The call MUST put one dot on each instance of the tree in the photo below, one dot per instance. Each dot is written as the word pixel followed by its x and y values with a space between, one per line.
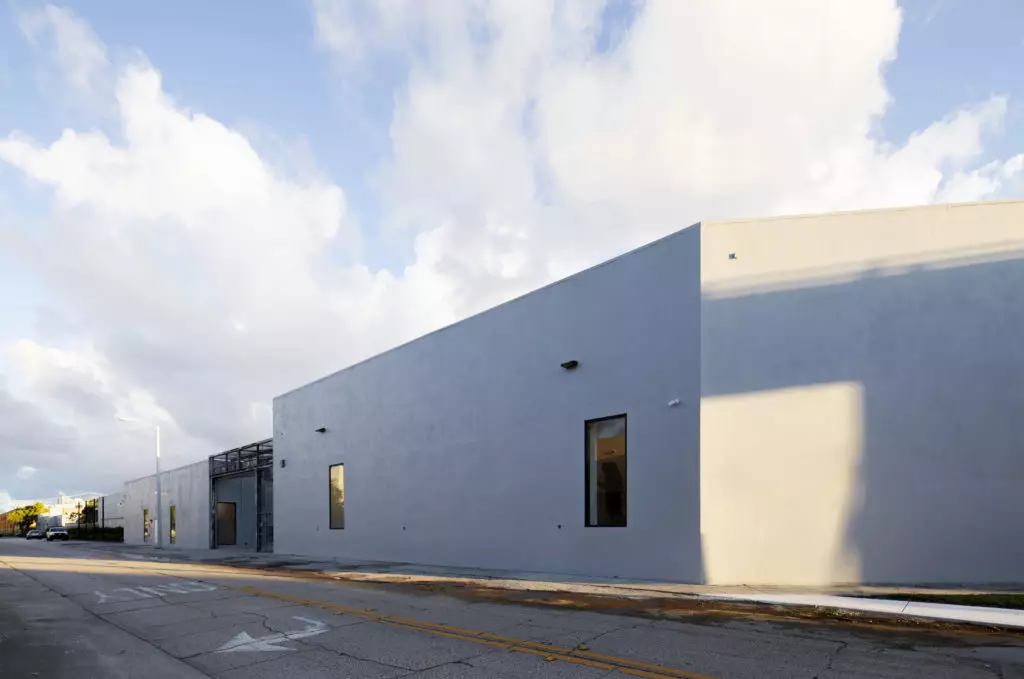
pixel 90 513
pixel 25 516
pixel 87 513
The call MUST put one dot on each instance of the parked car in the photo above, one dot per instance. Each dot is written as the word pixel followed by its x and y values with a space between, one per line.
pixel 56 533
pixel 34 534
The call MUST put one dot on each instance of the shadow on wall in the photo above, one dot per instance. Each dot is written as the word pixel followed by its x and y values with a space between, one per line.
pixel 930 358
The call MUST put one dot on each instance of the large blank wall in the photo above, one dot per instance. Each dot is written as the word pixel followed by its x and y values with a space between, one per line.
pixel 466 447
pixel 863 383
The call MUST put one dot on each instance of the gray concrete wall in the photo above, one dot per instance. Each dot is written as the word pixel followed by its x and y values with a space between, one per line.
pixel 112 510
pixel 188 488
pixel 240 489
pixel 466 447
pixel 863 392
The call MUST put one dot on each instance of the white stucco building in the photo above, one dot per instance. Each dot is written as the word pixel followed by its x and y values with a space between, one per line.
pixel 799 400
pixel 64 511
pixel 225 501
pixel 185 508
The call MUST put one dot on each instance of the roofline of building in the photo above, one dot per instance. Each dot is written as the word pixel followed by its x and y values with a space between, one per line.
pixel 205 459
pixel 269 439
pixel 488 310
pixel 700 224
pixel 162 472
pixel 840 213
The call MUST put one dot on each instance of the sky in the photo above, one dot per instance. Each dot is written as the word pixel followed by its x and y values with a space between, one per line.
pixel 204 205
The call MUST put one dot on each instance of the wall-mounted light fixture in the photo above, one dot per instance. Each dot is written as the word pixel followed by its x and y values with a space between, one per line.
pixel 282 462
pixel 732 255
pixel 570 365
pixel 321 430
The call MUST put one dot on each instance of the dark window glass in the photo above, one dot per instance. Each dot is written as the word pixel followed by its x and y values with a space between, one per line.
pixel 226 526
pixel 174 522
pixel 606 471
pixel 337 496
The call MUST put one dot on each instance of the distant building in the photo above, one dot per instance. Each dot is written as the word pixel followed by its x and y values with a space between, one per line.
pixel 238 483
pixel 64 510
pixel 59 514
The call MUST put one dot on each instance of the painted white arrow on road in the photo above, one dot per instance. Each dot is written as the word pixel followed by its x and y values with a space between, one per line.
pixel 244 642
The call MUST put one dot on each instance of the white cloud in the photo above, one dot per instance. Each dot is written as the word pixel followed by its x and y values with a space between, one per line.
pixel 26 472
pixel 340 26
pixel 194 280
pixel 199 283
pixel 516 137
pixel 77 52
pixel 992 180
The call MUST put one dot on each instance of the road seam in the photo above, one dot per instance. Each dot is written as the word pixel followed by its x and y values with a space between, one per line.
pixel 547 651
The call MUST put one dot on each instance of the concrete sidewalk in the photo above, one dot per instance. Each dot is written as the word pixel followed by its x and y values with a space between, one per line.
pixel 980 615
pixel 888 601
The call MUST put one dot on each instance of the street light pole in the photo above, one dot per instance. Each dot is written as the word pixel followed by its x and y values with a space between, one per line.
pixel 159 493
pixel 159 490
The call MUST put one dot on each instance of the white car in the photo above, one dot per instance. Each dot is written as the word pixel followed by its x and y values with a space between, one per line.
pixel 56 533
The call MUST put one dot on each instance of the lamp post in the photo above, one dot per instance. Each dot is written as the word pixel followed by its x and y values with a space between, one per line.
pixel 159 493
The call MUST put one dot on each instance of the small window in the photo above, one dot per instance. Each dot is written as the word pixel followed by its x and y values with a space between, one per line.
pixel 337 496
pixel 606 471
pixel 174 522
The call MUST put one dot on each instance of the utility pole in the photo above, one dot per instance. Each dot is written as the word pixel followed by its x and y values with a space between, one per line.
pixel 159 493
pixel 159 489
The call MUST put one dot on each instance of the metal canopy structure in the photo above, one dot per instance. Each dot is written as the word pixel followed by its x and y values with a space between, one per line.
pixel 256 459
pixel 259 455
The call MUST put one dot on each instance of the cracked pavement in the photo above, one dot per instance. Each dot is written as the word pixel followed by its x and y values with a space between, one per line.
pixel 77 611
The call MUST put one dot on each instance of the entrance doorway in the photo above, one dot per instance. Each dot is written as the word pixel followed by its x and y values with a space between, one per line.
pixel 225 523
pixel 244 478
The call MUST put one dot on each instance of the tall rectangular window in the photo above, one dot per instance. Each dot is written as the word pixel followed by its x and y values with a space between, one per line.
pixel 174 523
pixel 337 496
pixel 606 471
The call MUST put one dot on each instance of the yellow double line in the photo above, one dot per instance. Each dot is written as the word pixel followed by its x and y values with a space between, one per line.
pixel 547 651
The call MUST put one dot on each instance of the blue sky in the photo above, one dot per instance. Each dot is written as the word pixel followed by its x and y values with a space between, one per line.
pixel 240 61
pixel 335 177
pixel 953 51
pixel 260 65
pixel 236 61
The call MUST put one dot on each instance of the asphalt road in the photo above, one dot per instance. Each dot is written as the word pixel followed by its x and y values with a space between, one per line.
pixel 76 612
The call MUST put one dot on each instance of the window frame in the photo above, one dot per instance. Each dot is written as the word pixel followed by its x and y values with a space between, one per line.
pixel 586 472
pixel 330 499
